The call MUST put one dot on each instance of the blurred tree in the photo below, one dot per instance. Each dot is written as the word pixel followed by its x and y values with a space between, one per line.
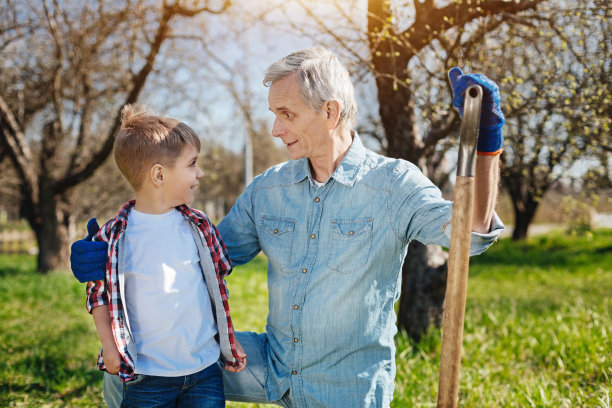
pixel 223 179
pixel 66 70
pixel 555 73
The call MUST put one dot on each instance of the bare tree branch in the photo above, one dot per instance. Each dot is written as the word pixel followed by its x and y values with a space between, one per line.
pixel 177 9
pixel 17 148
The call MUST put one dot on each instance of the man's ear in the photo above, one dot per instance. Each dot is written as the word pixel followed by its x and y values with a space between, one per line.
pixel 156 173
pixel 332 110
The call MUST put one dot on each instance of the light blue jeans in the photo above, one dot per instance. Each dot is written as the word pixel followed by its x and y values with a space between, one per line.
pixel 246 386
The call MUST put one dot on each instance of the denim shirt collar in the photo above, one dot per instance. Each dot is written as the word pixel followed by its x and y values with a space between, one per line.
pixel 347 171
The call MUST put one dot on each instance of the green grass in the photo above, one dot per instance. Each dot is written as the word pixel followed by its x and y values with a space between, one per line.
pixel 537 332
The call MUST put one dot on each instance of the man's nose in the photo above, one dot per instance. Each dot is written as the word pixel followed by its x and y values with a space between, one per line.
pixel 277 129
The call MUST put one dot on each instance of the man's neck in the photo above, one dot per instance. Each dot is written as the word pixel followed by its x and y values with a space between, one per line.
pixel 324 166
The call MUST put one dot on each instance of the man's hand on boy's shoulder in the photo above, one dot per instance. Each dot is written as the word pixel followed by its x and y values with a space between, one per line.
pixel 88 258
pixel 242 360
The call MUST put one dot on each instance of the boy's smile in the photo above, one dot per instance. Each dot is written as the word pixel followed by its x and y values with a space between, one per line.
pixel 181 179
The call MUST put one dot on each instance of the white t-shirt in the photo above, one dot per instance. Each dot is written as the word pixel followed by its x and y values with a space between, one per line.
pixel 167 302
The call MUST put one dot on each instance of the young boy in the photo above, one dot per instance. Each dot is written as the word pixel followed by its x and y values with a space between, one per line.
pixel 162 313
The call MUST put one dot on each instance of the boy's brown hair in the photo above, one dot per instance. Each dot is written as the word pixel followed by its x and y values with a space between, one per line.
pixel 146 139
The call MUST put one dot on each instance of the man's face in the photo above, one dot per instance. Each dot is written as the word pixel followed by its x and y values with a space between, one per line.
pixel 304 131
pixel 182 178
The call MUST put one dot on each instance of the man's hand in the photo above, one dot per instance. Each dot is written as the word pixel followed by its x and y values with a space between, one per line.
pixel 242 360
pixel 490 137
pixel 88 258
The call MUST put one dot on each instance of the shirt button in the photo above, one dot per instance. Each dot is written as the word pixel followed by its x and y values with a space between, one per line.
pixel 295 340
pixel 304 270
pixel 312 236
pixel 276 231
pixel 317 199
pixel 351 232
pixel 296 307
pixel 294 372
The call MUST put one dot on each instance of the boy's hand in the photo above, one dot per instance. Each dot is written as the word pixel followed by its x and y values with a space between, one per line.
pixel 88 258
pixel 112 360
pixel 242 360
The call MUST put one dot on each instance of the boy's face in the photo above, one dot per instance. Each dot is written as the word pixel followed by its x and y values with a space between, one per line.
pixel 182 178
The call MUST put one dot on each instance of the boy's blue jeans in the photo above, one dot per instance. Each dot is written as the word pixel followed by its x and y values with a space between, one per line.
pixel 203 389
pixel 246 386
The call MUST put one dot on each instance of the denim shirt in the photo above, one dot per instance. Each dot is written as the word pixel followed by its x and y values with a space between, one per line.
pixel 335 254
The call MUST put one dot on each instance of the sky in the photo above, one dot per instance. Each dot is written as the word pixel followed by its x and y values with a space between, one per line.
pixel 249 48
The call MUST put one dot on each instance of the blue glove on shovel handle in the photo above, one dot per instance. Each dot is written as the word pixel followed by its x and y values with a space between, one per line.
pixel 88 258
pixel 490 137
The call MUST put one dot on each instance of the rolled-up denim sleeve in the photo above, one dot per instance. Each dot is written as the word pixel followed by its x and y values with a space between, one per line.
pixel 238 229
pixel 480 242
pixel 418 211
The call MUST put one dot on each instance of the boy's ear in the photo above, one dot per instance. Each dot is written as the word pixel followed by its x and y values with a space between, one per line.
pixel 156 173
pixel 332 110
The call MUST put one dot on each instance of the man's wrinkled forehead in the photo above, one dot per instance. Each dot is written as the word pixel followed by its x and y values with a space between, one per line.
pixel 285 94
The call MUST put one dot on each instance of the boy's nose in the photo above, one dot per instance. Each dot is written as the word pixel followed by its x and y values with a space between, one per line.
pixel 199 173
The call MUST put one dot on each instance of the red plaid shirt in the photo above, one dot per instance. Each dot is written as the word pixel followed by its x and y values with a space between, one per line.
pixel 107 292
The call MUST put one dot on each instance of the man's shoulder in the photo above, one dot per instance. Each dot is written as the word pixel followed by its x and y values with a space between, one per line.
pixel 286 172
pixel 376 164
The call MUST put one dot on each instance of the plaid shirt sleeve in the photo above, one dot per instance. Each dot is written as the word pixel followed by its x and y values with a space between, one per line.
pixel 97 294
pixel 97 291
pixel 218 250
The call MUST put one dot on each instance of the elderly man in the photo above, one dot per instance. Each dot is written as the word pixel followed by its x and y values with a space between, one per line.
pixel 335 223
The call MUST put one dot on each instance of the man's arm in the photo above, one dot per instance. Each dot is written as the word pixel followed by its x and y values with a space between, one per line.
pixel 110 354
pixel 490 143
pixel 486 182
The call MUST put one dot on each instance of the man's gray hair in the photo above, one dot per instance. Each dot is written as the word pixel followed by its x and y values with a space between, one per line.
pixel 321 77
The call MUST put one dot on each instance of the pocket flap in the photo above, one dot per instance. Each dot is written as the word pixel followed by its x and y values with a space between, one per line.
pixel 352 227
pixel 277 226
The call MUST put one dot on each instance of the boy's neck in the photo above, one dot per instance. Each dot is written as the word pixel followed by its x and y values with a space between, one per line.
pixel 151 203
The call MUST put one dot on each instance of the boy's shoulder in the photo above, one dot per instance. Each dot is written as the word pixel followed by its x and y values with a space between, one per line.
pixel 117 223
pixel 195 215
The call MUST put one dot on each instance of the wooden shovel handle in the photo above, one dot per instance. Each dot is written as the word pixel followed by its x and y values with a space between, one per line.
pixel 459 253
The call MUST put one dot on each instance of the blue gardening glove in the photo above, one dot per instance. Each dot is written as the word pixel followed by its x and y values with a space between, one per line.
pixel 490 137
pixel 88 258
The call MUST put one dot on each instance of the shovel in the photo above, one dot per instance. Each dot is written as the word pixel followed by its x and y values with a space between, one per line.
pixel 459 252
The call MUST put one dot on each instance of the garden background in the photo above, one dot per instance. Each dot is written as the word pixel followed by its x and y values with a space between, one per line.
pixel 538 316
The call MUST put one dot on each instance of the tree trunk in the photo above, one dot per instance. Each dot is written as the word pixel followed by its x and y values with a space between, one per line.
pixel 52 225
pixel 424 270
pixel 523 215
pixel 524 202
pixel 423 288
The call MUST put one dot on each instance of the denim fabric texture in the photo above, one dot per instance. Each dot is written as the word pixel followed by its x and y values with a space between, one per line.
pixel 335 254
pixel 203 389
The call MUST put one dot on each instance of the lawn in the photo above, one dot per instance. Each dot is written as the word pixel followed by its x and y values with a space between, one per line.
pixel 537 334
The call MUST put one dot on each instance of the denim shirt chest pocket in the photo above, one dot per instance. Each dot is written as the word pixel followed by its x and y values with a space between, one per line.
pixel 351 242
pixel 277 239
